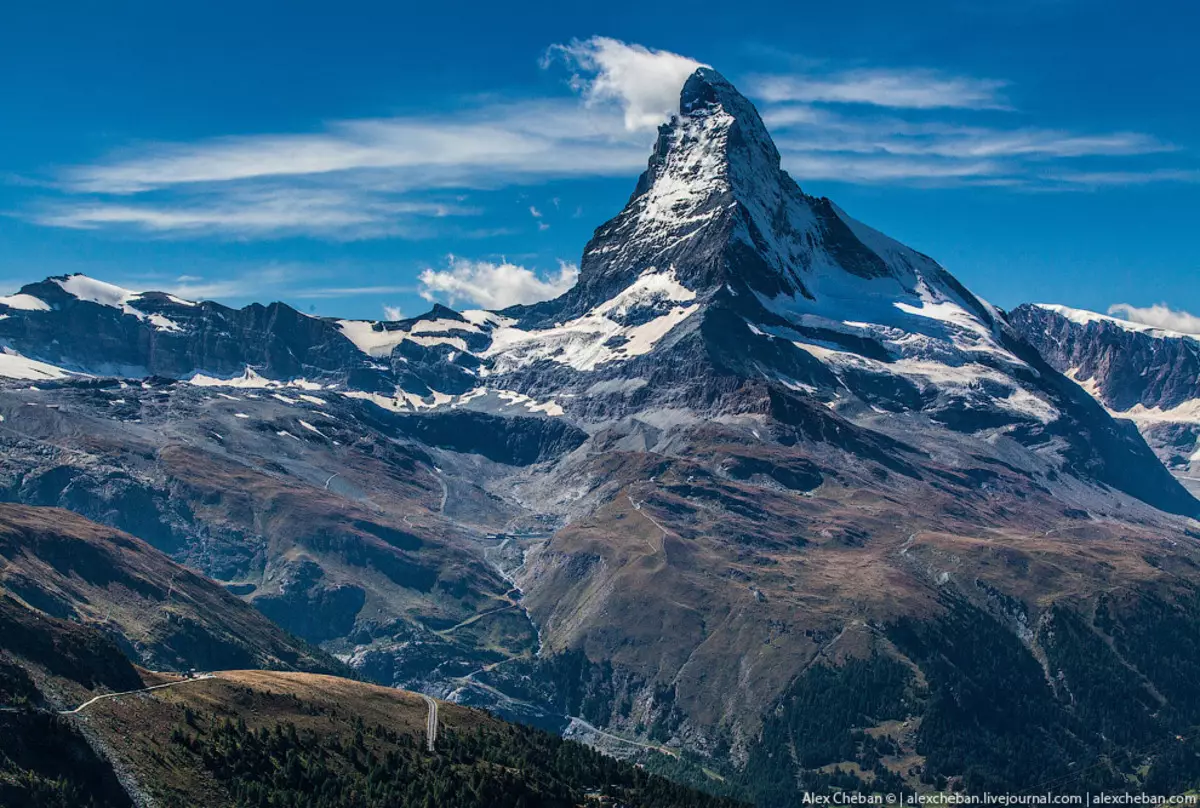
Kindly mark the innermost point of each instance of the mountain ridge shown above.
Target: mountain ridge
(1150, 376)
(66, 567)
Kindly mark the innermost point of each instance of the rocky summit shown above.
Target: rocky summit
(766, 492)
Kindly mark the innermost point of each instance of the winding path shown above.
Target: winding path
(431, 721)
(593, 728)
(92, 701)
(637, 506)
(475, 618)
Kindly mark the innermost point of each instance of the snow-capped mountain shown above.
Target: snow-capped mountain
(757, 438)
(719, 271)
(1148, 375)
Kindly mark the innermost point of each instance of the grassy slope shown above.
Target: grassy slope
(162, 614)
(342, 742)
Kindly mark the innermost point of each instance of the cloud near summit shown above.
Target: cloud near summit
(643, 81)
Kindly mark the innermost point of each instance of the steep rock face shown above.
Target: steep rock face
(1147, 375)
(1128, 363)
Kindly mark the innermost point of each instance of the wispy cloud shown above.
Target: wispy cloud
(334, 292)
(909, 89)
(818, 142)
(1159, 315)
(273, 281)
(884, 136)
(494, 286)
(259, 282)
(356, 179)
(541, 139)
(886, 169)
(256, 212)
(1106, 178)
(392, 313)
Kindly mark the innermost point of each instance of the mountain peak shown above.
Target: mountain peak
(717, 144)
(707, 91)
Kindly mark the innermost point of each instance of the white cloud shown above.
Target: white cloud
(867, 137)
(1159, 315)
(886, 169)
(911, 89)
(195, 288)
(534, 212)
(257, 282)
(355, 179)
(643, 81)
(475, 146)
(393, 313)
(494, 286)
(256, 212)
(1143, 177)
(819, 143)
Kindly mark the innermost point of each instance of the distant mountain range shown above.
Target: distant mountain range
(766, 491)
(1148, 375)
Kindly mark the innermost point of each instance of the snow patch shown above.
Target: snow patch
(402, 401)
(15, 366)
(550, 407)
(106, 294)
(965, 379)
(491, 319)
(24, 303)
(442, 326)
(375, 339)
(596, 338)
(1186, 413)
(252, 380)
(1083, 317)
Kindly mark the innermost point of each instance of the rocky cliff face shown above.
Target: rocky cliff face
(1143, 374)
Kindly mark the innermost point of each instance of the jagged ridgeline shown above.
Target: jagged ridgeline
(767, 501)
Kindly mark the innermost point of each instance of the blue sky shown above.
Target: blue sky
(356, 158)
